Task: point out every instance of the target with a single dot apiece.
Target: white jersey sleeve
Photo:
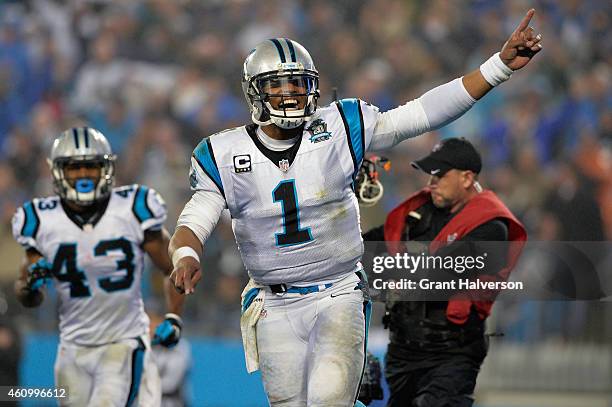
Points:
(203, 210)
(434, 109)
(202, 213)
(25, 224)
(149, 208)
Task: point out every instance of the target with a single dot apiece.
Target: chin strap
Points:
(283, 122)
(273, 120)
(259, 122)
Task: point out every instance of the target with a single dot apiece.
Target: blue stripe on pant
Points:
(137, 367)
(367, 312)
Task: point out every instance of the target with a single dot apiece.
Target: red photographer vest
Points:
(481, 209)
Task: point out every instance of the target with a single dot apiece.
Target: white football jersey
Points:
(294, 213)
(97, 267)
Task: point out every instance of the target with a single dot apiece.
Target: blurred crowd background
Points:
(157, 76)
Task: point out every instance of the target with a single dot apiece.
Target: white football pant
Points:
(311, 347)
(118, 374)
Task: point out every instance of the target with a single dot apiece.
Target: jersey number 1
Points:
(286, 194)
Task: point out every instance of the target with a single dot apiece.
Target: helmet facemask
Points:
(84, 191)
(286, 99)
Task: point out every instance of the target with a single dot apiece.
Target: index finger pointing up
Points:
(525, 22)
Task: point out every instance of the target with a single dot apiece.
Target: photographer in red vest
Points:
(436, 347)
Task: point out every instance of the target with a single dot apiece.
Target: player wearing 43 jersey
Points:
(287, 180)
(91, 239)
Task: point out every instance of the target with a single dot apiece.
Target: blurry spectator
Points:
(370, 83)
(101, 77)
(574, 194)
(269, 19)
(15, 74)
(159, 155)
(115, 121)
(189, 94)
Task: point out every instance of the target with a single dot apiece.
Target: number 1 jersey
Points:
(98, 266)
(294, 214)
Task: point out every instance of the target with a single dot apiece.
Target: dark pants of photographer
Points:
(435, 368)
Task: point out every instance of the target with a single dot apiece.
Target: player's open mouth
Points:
(289, 104)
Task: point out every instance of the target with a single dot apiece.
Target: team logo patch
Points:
(318, 128)
(283, 165)
(242, 163)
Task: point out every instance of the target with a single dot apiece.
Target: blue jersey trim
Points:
(352, 117)
(31, 222)
(205, 157)
(140, 207)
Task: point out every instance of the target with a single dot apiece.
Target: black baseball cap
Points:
(448, 154)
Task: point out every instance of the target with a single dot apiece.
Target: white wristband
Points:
(176, 317)
(184, 251)
(495, 71)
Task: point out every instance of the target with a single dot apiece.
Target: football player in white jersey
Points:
(287, 180)
(91, 239)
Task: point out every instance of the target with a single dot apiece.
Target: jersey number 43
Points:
(65, 267)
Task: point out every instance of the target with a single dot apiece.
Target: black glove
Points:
(371, 388)
(168, 332)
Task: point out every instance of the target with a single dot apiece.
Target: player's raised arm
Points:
(445, 103)
(518, 50)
